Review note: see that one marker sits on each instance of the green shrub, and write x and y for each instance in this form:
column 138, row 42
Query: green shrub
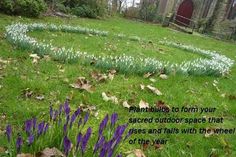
column 7, row 6
column 29, row 8
column 62, row 8
column 84, row 11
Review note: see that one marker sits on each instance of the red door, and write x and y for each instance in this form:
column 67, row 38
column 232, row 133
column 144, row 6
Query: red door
column 184, row 13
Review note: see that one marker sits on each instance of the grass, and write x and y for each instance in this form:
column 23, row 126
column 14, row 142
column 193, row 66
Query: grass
column 45, row 78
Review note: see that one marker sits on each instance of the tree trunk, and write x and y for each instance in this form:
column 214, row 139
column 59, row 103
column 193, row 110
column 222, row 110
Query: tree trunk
column 114, row 6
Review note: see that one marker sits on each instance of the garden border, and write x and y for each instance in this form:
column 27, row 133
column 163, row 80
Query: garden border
column 214, row 65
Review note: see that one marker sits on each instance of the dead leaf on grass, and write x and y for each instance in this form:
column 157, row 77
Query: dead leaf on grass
column 142, row 86
column 209, row 133
column 47, row 58
column 24, row 155
column 27, row 93
column 39, row 97
column 111, row 74
column 136, row 153
column 2, row 150
column 232, row 97
column 147, row 75
column 2, row 61
column 82, row 84
column 125, row 104
column 111, row 98
column 152, row 80
column 89, row 108
column 35, row 57
column 154, row 90
column 143, row 104
column 163, row 77
column 98, row 76
column 50, row 152
column 161, row 105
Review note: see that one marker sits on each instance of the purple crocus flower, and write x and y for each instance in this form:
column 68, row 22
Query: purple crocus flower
column 109, row 148
column 85, row 139
column 78, row 140
column 67, row 119
column 65, row 129
column 102, row 152
column 86, row 118
column 128, row 135
column 119, row 155
column 114, row 118
column 99, row 143
column 60, row 109
column 19, row 143
column 116, row 142
column 28, row 126
column 46, row 128
column 34, row 123
column 110, row 152
column 67, row 108
column 51, row 112
column 79, row 122
column 8, row 132
column 77, row 112
column 103, row 125
column 73, row 118
column 40, row 128
column 119, row 131
column 30, row 139
column 55, row 115
column 67, row 145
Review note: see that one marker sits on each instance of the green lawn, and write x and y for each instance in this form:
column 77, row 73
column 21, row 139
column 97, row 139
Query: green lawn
column 46, row 78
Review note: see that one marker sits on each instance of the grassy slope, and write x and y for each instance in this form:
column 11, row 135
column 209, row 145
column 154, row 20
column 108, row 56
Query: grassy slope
column 45, row 78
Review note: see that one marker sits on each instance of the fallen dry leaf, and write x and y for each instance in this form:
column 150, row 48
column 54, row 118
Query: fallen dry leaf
column 113, row 71
column 161, row 105
column 35, row 58
column 147, row 75
column 2, row 150
column 89, row 108
column 154, row 90
column 82, row 84
column 152, row 80
column 24, row 155
column 27, row 93
column 142, row 86
column 111, row 76
column 40, row 97
column 136, row 153
column 125, row 104
column 106, row 98
column 47, row 58
column 143, row 104
column 232, row 97
column 163, row 76
column 98, row 76
column 210, row 133
column 2, row 61
column 50, row 152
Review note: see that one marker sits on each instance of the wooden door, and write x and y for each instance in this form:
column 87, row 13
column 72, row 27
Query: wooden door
column 184, row 13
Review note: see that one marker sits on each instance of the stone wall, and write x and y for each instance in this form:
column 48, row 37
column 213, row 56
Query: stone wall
column 223, row 27
column 213, row 15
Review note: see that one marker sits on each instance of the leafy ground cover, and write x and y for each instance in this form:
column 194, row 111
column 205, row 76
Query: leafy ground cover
column 23, row 82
